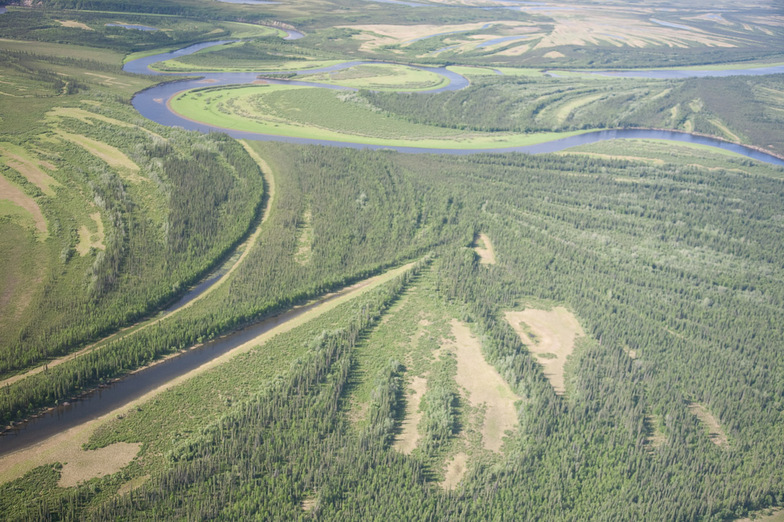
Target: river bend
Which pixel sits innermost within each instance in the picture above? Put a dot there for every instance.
(152, 104)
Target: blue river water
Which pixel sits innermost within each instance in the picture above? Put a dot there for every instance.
(151, 104)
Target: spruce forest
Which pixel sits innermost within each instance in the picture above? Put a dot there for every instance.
(391, 260)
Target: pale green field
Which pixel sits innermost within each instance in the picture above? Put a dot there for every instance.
(659, 151)
(105, 56)
(382, 77)
(261, 67)
(304, 112)
(472, 71)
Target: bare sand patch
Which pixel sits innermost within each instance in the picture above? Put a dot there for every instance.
(724, 129)
(108, 80)
(710, 17)
(75, 24)
(406, 441)
(31, 168)
(14, 194)
(113, 156)
(455, 470)
(375, 35)
(308, 504)
(766, 515)
(66, 447)
(656, 437)
(517, 50)
(550, 336)
(484, 249)
(88, 239)
(641, 159)
(134, 483)
(565, 110)
(484, 386)
(599, 27)
(554, 54)
(715, 431)
(84, 465)
(90, 117)
(304, 238)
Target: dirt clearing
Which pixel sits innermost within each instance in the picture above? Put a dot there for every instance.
(484, 249)
(14, 194)
(715, 432)
(31, 168)
(90, 118)
(549, 335)
(74, 24)
(406, 441)
(304, 238)
(656, 437)
(83, 465)
(484, 386)
(455, 470)
(113, 156)
(89, 239)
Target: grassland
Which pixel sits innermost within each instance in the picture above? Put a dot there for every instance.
(381, 77)
(313, 113)
(23, 207)
(30, 167)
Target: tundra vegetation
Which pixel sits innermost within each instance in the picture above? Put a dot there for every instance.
(592, 334)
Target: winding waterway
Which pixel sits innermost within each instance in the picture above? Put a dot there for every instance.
(151, 103)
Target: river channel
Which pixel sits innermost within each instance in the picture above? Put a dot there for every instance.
(151, 104)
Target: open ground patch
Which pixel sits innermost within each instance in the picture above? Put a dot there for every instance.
(484, 385)
(550, 336)
(16, 196)
(711, 423)
(484, 249)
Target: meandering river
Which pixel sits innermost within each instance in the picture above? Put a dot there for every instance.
(151, 104)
